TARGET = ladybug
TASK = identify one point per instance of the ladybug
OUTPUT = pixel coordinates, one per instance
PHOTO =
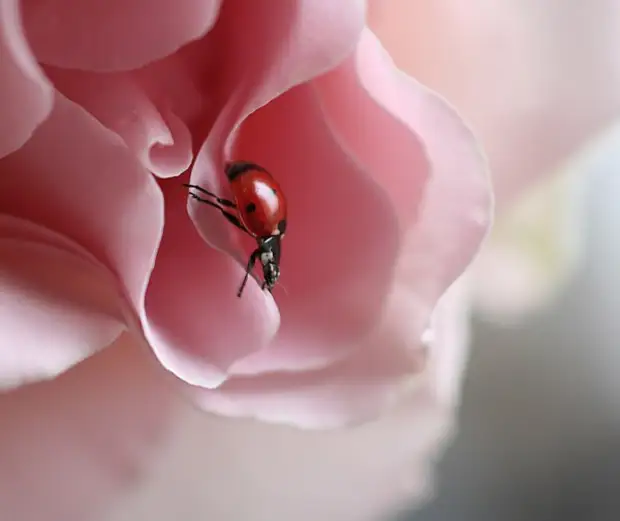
(260, 208)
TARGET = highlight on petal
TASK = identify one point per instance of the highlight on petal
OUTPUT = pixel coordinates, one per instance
(447, 340)
(197, 325)
(114, 35)
(159, 139)
(26, 97)
(78, 179)
(72, 445)
(59, 307)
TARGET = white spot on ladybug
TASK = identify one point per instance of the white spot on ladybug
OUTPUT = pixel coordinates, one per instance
(266, 258)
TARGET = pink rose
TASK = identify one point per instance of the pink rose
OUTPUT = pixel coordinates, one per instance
(70, 443)
(104, 111)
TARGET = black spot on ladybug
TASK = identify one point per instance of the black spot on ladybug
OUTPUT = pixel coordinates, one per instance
(250, 207)
(282, 226)
(238, 168)
(275, 192)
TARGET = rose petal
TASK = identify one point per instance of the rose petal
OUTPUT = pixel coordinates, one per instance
(349, 392)
(114, 35)
(448, 345)
(374, 111)
(20, 229)
(78, 178)
(192, 306)
(339, 254)
(71, 445)
(161, 141)
(396, 356)
(357, 474)
(457, 210)
(48, 293)
(25, 95)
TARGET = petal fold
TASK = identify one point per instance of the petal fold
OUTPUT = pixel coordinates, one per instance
(78, 179)
(59, 307)
(457, 208)
(277, 50)
(157, 136)
(114, 35)
(197, 325)
(440, 243)
(26, 97)
(372, 109)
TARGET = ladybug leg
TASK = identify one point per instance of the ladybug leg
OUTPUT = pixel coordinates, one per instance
(248, 270)
(230, 217)
(223, 202)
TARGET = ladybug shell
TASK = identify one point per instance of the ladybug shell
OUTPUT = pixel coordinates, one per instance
(260, 202)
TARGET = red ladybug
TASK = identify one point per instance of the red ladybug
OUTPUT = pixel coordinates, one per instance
(260, 209)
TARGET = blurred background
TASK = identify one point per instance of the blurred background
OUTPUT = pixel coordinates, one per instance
(539, 433)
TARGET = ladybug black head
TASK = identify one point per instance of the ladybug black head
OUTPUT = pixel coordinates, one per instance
(271, 274)
(270, 260)
(235, 169)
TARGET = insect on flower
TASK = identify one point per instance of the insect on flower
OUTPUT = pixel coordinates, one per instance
(258, 208)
